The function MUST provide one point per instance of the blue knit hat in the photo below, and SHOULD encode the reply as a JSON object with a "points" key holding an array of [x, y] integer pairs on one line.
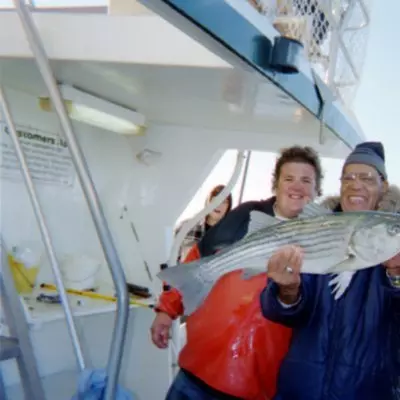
{"points": [[369, 153]]}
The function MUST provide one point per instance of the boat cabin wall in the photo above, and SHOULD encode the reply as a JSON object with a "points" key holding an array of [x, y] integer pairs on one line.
{"points": [[151, 197]]}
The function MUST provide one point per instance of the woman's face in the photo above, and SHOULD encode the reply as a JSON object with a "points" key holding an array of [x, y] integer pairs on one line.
{"points": [[295, 188], [218, 213]]}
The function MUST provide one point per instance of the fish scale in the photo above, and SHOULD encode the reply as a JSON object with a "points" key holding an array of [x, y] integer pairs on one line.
{"points": [[332, 243], [264, 247], [304, 236]]}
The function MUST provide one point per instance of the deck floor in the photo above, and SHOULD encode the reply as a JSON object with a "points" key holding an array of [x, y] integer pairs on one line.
{"points": [[61, 386]]}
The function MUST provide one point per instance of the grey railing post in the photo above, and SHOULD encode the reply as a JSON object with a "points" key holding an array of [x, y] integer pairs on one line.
{"points": [[116, 269], [43, 227]]}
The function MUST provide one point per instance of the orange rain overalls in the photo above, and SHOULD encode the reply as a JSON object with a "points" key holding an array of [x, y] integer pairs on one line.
{"points": [[230, 345]]}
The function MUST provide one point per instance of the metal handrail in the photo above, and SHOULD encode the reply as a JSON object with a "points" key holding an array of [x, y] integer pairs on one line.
{"points": [[173, 349], [91, 196], [244, 179], [42, 227], [18, 327]]}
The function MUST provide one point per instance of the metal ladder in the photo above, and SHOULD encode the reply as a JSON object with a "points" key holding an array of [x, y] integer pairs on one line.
{"points": [[19, 346]]}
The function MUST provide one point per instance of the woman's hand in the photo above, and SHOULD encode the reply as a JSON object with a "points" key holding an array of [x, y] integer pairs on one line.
{"points": [[160, 330]]}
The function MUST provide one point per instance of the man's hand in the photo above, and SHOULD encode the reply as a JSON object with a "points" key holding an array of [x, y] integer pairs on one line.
{"points": [[160, 330], [284, 269], [393, 266]]}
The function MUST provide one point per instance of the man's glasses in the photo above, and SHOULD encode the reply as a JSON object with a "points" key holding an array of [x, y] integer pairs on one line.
{"points": [[366, 178]]}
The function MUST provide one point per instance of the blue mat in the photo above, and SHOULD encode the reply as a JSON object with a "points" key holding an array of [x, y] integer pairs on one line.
{"points": [[92, 384]]}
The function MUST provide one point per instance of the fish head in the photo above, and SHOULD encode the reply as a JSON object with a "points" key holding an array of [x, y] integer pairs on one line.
{"points": [[376, 239]]}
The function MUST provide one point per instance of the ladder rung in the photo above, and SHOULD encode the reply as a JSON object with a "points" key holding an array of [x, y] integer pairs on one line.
{"points": [[9, 348]]}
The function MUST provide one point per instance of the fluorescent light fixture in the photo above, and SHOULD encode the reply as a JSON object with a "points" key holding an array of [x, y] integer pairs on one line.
{"points": [[92, 110]]}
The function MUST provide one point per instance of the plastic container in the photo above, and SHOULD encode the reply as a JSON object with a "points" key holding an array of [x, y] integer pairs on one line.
{"points": [[24, 261]]}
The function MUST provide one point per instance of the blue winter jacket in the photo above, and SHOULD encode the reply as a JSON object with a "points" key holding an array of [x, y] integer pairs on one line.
{"points": [[340, 350]]}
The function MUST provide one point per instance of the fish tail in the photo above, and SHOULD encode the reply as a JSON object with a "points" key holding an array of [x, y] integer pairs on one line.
{"points": [[193, 284]]}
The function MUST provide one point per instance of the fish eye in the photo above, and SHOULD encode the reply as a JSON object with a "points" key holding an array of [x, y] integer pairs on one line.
{"points": [[393, 230]]}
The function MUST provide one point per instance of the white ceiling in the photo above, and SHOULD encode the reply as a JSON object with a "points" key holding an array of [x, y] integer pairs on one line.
{"points": [[215, 98]]}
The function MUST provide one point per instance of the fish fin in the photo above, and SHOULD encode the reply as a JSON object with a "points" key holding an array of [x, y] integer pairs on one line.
{"points": [[260, 220], [341, 282], [193, 284], [346, 265], [313, 210], [250, 272]]}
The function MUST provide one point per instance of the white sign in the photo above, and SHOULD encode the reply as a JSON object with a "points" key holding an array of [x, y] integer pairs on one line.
{"points": [[47, 156]]}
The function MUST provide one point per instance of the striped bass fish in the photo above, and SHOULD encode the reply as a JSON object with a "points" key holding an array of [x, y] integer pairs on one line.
{"points": [[333, 243]]}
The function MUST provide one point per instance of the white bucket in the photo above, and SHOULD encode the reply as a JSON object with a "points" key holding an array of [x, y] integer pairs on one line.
{"points": [[79, 271]]}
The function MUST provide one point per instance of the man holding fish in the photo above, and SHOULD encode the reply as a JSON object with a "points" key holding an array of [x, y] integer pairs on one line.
{"points": [[232, 351], [345, 349]]}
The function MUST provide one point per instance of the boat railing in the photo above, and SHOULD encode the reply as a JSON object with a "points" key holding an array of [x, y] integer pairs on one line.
{"points": [[334, 34]]}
